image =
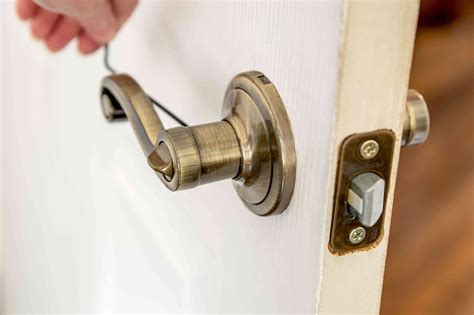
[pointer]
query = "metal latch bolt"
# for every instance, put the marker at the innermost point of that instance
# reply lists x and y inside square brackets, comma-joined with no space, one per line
[365,198]
[362,183]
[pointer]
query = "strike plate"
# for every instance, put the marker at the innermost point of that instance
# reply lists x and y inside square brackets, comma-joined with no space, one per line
[352,163]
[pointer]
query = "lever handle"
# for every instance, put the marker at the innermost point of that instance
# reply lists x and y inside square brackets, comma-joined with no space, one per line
[121,96]
[253,144]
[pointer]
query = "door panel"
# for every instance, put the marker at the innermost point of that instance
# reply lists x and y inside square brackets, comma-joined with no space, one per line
[92,226]
[88,227]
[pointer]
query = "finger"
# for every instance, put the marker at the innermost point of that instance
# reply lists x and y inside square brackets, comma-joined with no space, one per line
[42,23]
[26,9]
[102,25]
[96,16]
[123,9]
[64,31]
[86,44]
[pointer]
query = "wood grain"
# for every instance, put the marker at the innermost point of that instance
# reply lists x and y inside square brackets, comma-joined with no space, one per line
[430,264]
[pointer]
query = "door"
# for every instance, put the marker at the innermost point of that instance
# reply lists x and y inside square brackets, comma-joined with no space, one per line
[87,227]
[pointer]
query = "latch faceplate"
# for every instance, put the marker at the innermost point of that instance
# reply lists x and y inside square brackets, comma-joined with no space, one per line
[366,156]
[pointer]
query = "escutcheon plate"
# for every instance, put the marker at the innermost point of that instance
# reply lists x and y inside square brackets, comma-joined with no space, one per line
[255,110]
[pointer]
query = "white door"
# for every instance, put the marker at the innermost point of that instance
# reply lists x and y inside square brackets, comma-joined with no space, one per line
[87,226]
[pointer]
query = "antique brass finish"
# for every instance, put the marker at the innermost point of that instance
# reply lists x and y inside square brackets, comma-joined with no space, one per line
[122,95]
[255,110]
[363,177]
[253,144]
[199,154]
[351,164]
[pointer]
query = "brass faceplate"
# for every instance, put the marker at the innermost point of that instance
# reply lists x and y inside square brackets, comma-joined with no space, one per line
[255,110]
[351,163]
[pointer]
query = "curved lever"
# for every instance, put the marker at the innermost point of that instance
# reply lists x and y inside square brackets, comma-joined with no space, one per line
[121,95]
[253,144]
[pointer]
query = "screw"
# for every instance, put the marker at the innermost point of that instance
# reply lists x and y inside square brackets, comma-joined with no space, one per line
[369,149]
[357,235]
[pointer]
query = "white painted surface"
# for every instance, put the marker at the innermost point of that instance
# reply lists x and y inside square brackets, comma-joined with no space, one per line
[87,227]
[372,92]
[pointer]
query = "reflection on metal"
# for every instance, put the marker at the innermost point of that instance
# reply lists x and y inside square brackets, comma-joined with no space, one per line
[253,144]
[365,198]
[357,235]
[416,126]
[160,161]
[369,149]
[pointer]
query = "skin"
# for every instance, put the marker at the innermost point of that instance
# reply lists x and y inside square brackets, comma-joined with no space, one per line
[92,22]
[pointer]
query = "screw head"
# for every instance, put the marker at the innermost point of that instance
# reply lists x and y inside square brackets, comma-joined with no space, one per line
[357,235]
[369,149]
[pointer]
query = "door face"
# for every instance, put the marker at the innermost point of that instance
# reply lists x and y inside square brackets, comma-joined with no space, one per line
[87,226]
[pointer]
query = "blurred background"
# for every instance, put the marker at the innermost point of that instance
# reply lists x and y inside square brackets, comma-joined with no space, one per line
[430,262]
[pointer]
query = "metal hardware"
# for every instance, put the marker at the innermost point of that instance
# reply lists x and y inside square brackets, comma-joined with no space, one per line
[365,198]
[154,101]
[253,144]
[363,178]
[369,149]
[416,127]
[357,235]
[360,198]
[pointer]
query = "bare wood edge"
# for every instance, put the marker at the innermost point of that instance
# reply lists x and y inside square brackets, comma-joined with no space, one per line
[375,53]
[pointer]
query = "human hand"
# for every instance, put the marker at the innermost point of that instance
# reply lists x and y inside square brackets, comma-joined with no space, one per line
[92,22]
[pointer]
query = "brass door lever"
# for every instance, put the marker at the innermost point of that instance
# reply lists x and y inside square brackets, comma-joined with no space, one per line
[253,144]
